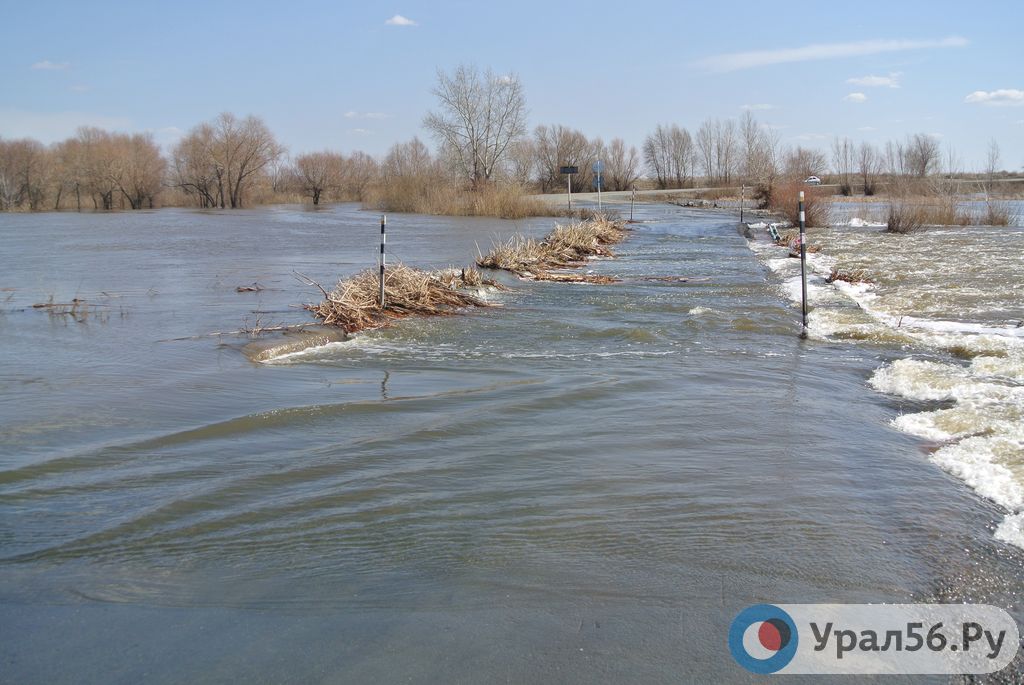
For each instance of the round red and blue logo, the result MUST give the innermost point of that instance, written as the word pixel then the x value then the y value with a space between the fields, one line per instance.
pixel 763 638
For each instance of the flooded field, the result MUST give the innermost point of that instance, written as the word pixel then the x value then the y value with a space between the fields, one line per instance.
pixel 586 483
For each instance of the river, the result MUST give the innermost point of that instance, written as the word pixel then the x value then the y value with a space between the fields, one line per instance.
pixel 584 484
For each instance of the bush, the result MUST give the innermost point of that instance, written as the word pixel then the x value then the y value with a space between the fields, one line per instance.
pixel 784 199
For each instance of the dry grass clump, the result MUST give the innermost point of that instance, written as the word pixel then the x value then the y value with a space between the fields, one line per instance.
pixel 784 199
pixel 854 276
pixel 907 217
pixel 998 214
pixel 428 195
pixel 354 304
pixel 567 245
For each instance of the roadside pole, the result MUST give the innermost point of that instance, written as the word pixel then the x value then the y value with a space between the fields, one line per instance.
pixel 569 171
pixel 632 201
pixel 743 190
pixel 383 258
pixel 803 266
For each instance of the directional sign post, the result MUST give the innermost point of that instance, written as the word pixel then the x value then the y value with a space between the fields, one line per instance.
pixel 569 171
pixel 598 169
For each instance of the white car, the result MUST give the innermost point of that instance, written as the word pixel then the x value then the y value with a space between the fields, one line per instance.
pixel 812 181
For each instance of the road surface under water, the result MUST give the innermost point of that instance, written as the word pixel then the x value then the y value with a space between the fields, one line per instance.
pixel 587 483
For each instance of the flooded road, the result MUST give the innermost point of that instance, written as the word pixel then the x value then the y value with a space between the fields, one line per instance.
pixel 585 484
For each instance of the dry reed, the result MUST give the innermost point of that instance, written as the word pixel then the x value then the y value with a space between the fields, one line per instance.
pixel 568 245
pixel 354 304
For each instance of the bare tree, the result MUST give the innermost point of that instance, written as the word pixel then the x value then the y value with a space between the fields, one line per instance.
pixel 716 145
pixel 803 162
pixel 317 173
pixel 221 161
pixel 992 164
pixel 922 154
pixel 622 165
pixel 658 155
pixel 363 170
pixel 843 163
pixel 668 153
pixel 522 161
pixel 480 116
pixel 559 146
pixel 869 165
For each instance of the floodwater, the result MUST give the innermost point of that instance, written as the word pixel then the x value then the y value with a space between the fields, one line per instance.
pixel 585 484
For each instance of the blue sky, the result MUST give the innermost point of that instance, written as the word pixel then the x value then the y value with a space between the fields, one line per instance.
pixel 338 75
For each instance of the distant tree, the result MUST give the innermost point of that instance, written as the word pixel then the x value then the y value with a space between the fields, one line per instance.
pixel 992 164
pixel 521 163
pixel 843 163
pixel 668 154
pixel 480 115
pixel 220 161
pixel 138 168
pixel 804 162
pixel 559 146
pixel 25 166
pixel 869 165
pixel 317 173
pixel 622 165
pixel 363 170
pixel 922 155
pixel 716 145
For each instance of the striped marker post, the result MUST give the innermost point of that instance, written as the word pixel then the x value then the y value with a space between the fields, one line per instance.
pixel 383 258
pixel 803 264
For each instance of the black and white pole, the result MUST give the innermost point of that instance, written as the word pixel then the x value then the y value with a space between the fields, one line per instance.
pixel 803 265
pixel 632 201
pixel 383 258
pixel 568 178
pixel 743 191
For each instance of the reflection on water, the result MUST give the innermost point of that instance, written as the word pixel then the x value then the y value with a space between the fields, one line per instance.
pixel 586 483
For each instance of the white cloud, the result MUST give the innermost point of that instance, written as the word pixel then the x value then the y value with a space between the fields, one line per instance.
pixel 47 65
pixel 811 136
pixel 1004 97
pixel 79 89
pixel 50 127
pixel 367 115
pixel 890 81
pixel 359 131
pixel 856 97
pixel 734 61
pixel 867 129
pixel 399 20
pixel 760 107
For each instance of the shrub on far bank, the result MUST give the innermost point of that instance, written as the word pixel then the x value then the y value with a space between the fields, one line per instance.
pixel 430 195
pixel 784 199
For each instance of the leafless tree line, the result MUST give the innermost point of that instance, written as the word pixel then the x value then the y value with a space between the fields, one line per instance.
pixel 482 140
pixel 100 169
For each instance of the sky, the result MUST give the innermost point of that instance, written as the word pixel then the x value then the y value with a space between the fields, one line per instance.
pixel 348 76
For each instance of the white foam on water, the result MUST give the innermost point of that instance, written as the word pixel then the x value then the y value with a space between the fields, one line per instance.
pixel 1011 530
pixel 857 222
pixel 697 311
pixel 983 430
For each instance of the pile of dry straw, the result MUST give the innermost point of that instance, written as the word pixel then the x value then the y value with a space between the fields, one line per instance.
pixel 354 304
pixel 567 246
